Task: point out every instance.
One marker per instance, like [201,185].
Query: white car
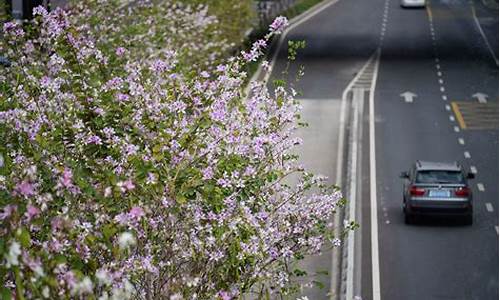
[412,3]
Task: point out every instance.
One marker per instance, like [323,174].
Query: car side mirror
[471,175]
[404,175]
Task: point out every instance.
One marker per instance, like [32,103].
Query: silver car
[412,3]
[437,188]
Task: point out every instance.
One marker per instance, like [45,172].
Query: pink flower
[8,210]
[120,51]
[129,185]
[278,25]
[25,188]
[223,295]
[136,213]
[67,178]
[32,212]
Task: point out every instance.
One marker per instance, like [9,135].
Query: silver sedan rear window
[439,176]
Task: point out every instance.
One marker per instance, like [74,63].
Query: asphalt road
[447,56]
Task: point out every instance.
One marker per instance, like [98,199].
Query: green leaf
[319,284]
[60,259]
[25,238]
[6,295]
[109,231]
[299,272]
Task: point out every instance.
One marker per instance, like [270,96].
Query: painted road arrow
[408,96]
[480,97]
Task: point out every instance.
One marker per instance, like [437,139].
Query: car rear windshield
[439,176]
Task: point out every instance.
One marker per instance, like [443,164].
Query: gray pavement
[442,56]
[438,259]
[320,139]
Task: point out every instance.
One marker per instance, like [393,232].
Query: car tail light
[462,192]
[416,191]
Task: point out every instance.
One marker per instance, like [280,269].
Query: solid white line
[447,107]
[340,154]
[452,118]
[480,187]
[456,129]
[473,8]
[489,207]
[461,141]
[467,154]
[373,190]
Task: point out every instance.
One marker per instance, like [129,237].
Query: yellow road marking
[459,116]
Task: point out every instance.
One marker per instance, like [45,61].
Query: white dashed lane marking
[440,81]
[496,228]
[439,73]
[456,129]
[452,118]
[447,107]
[438,66]
[489,207]
[461,141]
[444,97]
[480,187]
[441,89]
[473,169]
[466,154]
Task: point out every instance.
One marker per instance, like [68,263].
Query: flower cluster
[149,29]
[131,176]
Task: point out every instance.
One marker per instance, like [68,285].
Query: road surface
[445,58]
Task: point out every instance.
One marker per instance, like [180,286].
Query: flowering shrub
[145,29]
[128,178]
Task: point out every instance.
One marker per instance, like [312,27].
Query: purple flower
[278,25]
[258,45]
[126,185]
[39,10]
[250,56]
[208,173]
[25,188]
[8,210]
[122,97]
[32,212]
[136,212]
[120,51]
[223,295]
[114,84]
[204,74]
[94,139]
[66,180]
[12,28]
